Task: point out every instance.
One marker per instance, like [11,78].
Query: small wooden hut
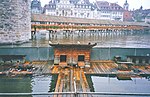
[72,54]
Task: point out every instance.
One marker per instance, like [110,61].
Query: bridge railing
[82,27]
[77,94]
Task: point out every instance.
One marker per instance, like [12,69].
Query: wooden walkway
[102,67]
[70,80]
[73,79]
[41,67]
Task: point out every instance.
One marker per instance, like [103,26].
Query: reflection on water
[15,85]
[112,84]
[117,96]
[130,41]
[34,84]
[112,40]
[25,84]
[41,84]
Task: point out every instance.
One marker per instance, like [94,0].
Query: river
[126,41]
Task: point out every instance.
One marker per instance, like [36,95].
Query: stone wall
[15,21]
[47,53]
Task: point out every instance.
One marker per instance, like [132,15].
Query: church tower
[126,5]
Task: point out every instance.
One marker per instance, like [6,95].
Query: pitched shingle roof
[59,19]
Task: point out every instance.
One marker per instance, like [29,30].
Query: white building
[84,9]
[64,8]
[109,11]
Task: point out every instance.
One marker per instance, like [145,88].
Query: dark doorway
[147,61]
[140,60]
[134,60]
[63,58]
[80,57]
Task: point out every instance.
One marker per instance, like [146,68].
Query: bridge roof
[60,19]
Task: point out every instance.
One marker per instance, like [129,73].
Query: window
[56,13]
[80,57]
[63,58]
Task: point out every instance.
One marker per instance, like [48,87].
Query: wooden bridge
[46,22]
[55,24]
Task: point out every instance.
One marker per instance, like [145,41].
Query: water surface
[137,40]
[112,84]
[25,84]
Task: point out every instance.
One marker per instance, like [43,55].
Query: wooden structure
[69,25]
[46,22]
[139,60]
[72,54]
[12,58]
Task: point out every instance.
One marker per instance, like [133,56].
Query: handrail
[76,93]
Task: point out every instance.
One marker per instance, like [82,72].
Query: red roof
[104,5]
[115,6]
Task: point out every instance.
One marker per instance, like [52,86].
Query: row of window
[82,14]
[52,6]
[82,6]
[117,17]
[105,16]
[105,11]
[66,6]
[113,13]
[117,13]
[81,11]
[116,8]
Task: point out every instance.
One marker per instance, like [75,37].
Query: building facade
[15,21]
[84,9]
[72,54]
[140,14]
[109,11]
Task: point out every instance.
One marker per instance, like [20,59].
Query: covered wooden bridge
[54,24]
[47,22]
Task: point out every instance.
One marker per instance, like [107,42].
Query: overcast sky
[136,4]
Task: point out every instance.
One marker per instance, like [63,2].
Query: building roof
[106,6]
[115,7]
[102,5]
[51,6]
[60,19]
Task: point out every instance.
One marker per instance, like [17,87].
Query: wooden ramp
[70,80]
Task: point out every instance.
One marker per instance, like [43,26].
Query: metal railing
[76,94]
